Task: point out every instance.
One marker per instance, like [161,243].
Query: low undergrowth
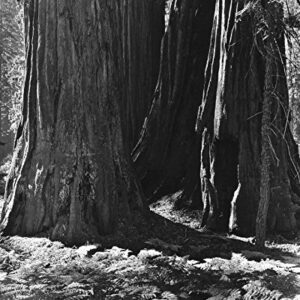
[171,262]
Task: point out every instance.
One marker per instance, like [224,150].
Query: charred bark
[71,177]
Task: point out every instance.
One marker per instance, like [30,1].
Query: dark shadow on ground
[158,259]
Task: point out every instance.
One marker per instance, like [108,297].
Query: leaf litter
[173,262]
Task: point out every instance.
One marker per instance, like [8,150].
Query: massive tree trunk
[226,81]
[167,154]
[230,116]
[71,177]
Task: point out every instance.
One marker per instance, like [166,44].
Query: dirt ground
[167,258]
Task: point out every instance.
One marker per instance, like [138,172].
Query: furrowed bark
[167,155]
[72,177]
[263,207]
[231,112]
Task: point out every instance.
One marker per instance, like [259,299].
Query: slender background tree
[167,155]
[11,72]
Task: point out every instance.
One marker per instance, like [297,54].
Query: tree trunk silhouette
[231,116]
[71,177]
[167,154]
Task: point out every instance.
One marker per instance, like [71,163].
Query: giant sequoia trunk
[167,154]
[229,120]
[227,82]
[71,175]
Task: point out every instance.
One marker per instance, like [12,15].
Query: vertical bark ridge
[233,97]
[167,150]
[72,177]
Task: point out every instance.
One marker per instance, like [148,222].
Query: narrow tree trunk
[71,177]
[261,218]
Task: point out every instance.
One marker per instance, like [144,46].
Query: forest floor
[168,259]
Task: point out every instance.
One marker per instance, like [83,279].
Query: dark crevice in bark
[226,178]
[141,51]
[167,153]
